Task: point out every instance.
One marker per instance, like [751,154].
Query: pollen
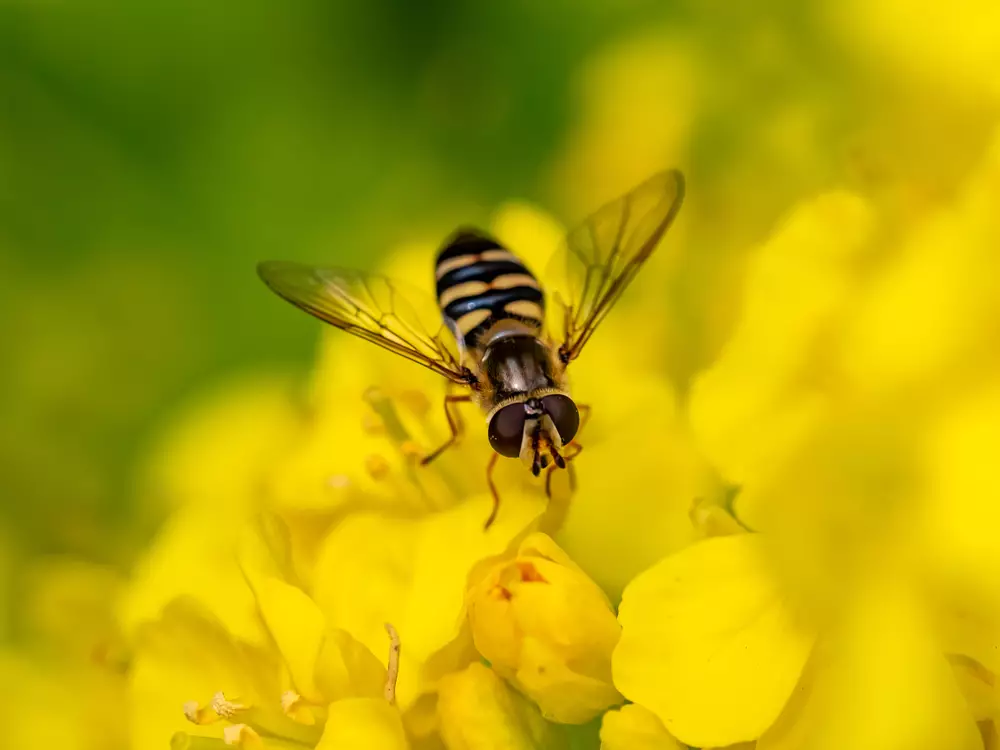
[225,708]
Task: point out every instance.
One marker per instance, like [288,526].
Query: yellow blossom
[861,449]
[707,643]
[546,627]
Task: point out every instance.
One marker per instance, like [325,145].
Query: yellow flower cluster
[803,545]
[784,541]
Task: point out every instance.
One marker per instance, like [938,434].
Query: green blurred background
[152,152]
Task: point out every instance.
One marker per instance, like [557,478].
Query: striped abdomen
[480,284]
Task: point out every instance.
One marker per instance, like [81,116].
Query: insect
[489,337]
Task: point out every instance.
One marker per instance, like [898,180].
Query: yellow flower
[546,627]
[861,447]
[314,686]
[707,643]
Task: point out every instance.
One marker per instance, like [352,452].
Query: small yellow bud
[549,629]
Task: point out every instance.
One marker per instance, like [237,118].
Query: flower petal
[412,573]
[633,727]
[708,644]
[345,668]
[750,406]
[879,682]
[635,427]
[546,627]
[477,711]
[363,724]
[296,624]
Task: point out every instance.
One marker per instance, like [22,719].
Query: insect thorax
[514,366]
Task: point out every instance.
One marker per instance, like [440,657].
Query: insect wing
[370,307]
[604,253]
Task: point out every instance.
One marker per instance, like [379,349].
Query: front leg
[454,424]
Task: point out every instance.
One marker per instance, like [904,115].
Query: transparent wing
[372,308]
[604,253]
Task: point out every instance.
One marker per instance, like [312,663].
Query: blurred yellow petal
[195,556]
[215,451]
[60,705]
[411,572]
[754,403]
[932,307]
[879,683]
[655,72]
[210,464]
[956,47]
[657,470]
[297,626]
[188,656]
[708,643]
[363,724]
[633,727]
[477,711]
[345,668]
[544,625]
[961,514]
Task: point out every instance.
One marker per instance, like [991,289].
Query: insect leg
[454,424]
[584,410]
[493,490]
[571,451]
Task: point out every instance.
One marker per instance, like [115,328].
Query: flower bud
[548,629]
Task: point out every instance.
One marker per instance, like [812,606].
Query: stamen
[225,708]
[545,462]
[416,401]
[377,467]
[198,714]
[560,461]
[411,450]
[241,735]
[392,668]
[299,710]
[372,424]
[386,411]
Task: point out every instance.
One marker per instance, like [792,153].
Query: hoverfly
[490,336]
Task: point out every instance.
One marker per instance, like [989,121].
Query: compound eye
[507,430]
[564,414]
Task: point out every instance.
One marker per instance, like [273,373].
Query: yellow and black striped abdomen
[480,283]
